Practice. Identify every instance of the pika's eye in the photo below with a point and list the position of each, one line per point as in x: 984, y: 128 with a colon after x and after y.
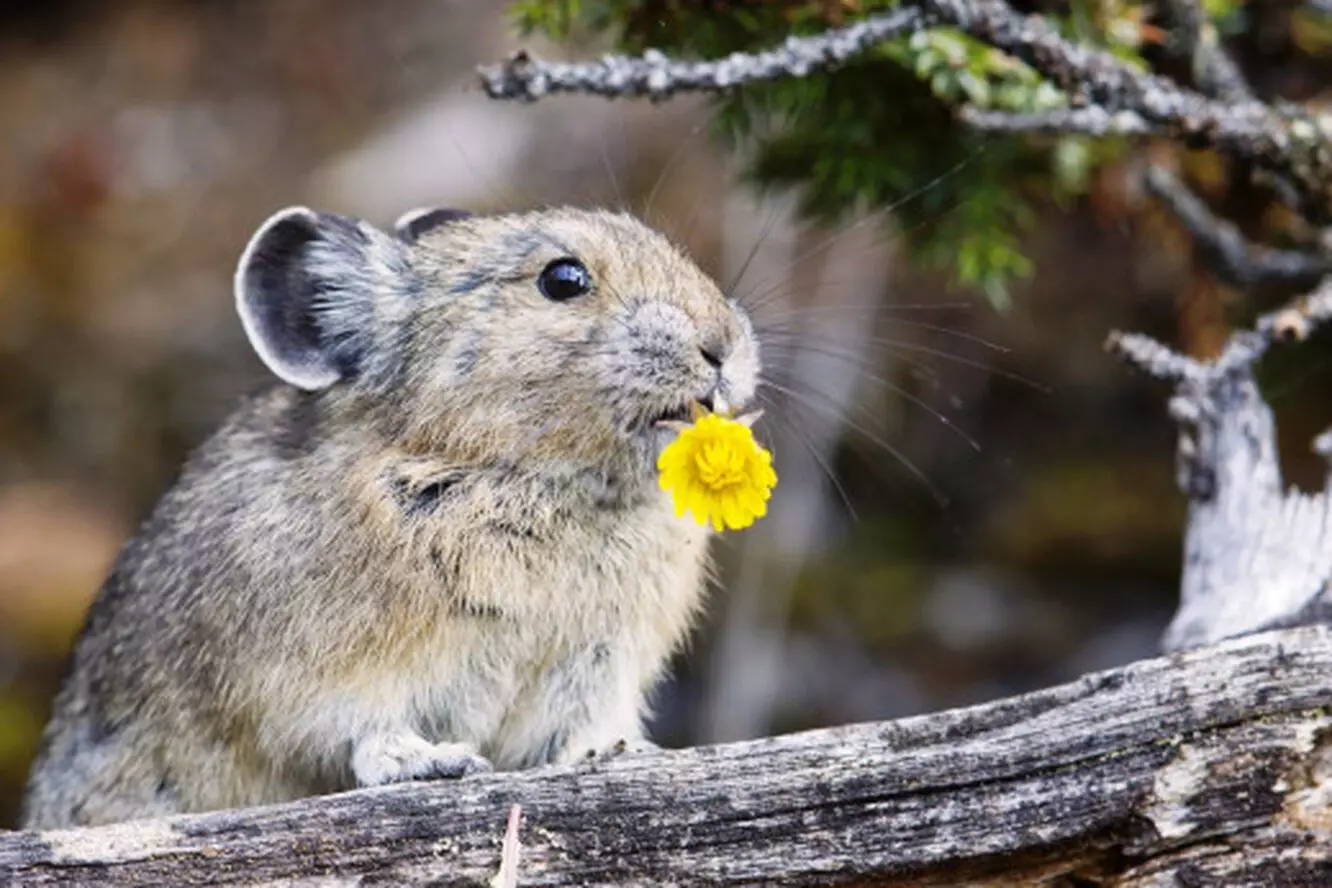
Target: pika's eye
x: 564, y: 279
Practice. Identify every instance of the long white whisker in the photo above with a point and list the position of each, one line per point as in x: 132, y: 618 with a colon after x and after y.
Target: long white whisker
x: 913, y: 324
x: 804, y: 438
x: 801, y: 340
x: 876, y: 215
x: 822, y: 406
x: 667, y: 169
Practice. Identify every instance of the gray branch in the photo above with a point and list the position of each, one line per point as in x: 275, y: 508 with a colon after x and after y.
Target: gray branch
x: 1289, y: 143
x: 1208, y: 768
x: 1233, y: 258
x: 1195, y: 38
x: 523, y: 76
x: 1256, y: 556
x: 1090, y: 121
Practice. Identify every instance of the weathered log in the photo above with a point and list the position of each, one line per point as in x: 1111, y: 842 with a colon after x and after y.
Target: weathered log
x: 1212, y: 767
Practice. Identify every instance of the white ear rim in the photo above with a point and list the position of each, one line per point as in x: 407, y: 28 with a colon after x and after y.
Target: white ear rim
x: 403, y: 223
x: 310, y: 381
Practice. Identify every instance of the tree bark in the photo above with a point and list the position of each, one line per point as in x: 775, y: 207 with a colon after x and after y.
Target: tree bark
x: 1212, y: 767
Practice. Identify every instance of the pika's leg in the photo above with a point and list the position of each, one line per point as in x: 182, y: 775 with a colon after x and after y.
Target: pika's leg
x: 395, y: 757
x: 612, y: 718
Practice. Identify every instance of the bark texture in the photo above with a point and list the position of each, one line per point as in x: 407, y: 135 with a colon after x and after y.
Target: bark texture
x: 1212, y: 767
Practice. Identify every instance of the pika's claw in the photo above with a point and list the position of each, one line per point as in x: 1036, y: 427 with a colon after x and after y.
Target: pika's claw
x: 620, y: 748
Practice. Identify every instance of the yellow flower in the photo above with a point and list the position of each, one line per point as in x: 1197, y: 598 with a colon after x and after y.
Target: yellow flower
x: 717, y: 471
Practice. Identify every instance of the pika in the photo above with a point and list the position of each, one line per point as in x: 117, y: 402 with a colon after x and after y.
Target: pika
x: 435, y: 547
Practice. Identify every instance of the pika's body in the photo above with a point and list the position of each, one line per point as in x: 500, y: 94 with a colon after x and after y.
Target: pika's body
x: 439, y: 546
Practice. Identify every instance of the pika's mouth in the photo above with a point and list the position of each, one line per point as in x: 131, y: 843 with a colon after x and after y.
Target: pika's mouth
x: 682, y: 413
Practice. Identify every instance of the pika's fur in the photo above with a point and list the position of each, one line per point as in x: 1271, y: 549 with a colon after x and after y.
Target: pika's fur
x: 438, y: 546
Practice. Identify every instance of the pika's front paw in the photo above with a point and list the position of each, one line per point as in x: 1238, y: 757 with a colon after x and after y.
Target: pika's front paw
x: 397, y: 759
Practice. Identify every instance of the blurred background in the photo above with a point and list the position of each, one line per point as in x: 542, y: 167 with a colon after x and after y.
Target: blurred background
x: 974, y: 502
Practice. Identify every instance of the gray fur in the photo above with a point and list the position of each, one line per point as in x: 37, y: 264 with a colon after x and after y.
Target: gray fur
x: 405, y: 563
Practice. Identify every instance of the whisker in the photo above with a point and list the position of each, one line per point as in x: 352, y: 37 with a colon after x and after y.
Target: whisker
x: 512, y: 192
x: 754, y: 250
x: 806, y: 439
x: 801, y: 340
x: 667, y: 168
x: 821, y: 406
x: 909, y: 396
x: 876, y: 215
x: 785, y: 352
x: 769, y: 295
x: 916, y: 325
x: 758, y: 297
x: 815, y: 310
x: 620, y: 203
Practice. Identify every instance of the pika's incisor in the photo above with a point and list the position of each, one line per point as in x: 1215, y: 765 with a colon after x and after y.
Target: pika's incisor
x: 437, y: 547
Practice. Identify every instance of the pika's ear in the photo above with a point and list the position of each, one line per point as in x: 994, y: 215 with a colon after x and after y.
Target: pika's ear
x: 414, y: 223
x: 306, y: 289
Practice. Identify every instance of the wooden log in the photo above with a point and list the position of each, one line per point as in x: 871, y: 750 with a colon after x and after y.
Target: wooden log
x: 1212, y: 767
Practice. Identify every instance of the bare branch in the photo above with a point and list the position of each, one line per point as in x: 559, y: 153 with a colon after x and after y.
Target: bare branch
x: 1244, y: 527
x: 1233, y: 258
x: 1289, y: 142
x: 1195, y: 38
x: 523, y: 76
x: 1156, y: 359
x: 1248, y: 130
x: 1300, y: 317
x: 1092, y: 120
x: 1292, y: 322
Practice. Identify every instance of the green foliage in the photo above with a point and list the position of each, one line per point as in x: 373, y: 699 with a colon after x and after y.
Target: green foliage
x: 880, y: 133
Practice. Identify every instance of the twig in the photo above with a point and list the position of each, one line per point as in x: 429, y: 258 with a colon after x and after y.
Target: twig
x: 1248, y: 130
x: 1292, y: 322
x: 1156, y: 359
x: 507, y: 877
x: 1092, y: 120
x: 1195, y: 38
x: 523, y: 76
x: 1231, y: 256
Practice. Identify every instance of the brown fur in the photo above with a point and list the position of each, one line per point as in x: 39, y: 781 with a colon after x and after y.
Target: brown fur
x: 446, y: 548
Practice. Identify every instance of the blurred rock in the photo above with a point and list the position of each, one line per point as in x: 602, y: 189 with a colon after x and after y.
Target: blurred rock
x: 55, y: 548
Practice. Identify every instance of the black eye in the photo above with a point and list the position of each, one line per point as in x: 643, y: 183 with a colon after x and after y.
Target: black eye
x: 564, y: 279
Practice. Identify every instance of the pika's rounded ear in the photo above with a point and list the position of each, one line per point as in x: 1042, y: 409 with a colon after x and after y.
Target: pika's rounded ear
x: 306, y: 290
x: 414, y: 223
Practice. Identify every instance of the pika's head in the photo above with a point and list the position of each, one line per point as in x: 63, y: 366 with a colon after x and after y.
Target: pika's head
x: 560, y: 335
